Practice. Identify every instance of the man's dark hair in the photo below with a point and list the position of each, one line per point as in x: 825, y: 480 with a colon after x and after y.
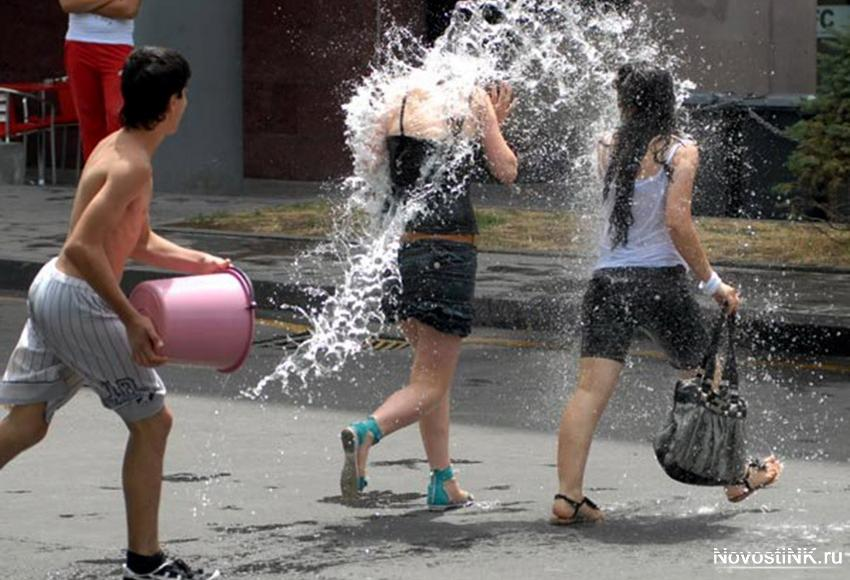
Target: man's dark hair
x: 151, y: 76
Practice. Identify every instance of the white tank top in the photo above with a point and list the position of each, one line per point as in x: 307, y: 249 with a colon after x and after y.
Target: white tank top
x: 650, y: 245
x: 85, y: 27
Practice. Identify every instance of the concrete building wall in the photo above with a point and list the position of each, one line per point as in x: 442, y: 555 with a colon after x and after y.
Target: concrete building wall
x: 206, y: 154
x: 31, y: 39
x: 275, y: 92
x: 301, y: 59
x: 747, y: 46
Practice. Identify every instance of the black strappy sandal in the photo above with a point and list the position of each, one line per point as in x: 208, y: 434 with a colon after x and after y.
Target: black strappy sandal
x: 749, y: 489
x: 576, y: 517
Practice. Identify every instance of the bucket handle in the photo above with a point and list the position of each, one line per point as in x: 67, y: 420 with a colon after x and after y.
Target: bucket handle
x: 245, y: 281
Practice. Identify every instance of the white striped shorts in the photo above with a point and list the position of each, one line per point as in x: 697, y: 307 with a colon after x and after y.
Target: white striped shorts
x: 72, y: 338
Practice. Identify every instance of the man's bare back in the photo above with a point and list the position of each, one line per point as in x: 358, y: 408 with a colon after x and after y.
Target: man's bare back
x: 114, y: 158
x: 110, y: 223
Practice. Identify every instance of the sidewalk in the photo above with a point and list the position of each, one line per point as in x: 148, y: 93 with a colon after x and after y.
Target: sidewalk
x: 798, y: 311
x: 252, y: 490
x: 252, y: 487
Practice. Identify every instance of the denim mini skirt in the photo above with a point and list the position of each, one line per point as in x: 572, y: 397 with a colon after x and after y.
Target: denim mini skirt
x: 436, y: 287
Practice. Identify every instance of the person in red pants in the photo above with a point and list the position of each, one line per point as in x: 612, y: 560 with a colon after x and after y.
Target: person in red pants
x: 99, y: 39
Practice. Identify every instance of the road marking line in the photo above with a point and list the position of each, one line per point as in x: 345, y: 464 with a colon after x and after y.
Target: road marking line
x: 398, y: 344
x: 292, y: 327
x: 388, y: 343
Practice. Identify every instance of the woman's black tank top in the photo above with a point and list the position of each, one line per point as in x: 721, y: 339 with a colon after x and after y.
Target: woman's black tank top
x: 416, y: 166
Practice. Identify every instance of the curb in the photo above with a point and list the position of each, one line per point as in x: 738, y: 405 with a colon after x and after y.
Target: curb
x: 305, y: 240
x: 794, y: 335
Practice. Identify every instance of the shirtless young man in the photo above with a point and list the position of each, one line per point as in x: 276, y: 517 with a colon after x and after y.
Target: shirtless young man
x: 82, y: 330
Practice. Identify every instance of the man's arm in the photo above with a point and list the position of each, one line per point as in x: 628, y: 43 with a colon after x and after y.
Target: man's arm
x: 119, y: 9
x: 86, y: 245
x: 156, y: 251
x: 77, y: 6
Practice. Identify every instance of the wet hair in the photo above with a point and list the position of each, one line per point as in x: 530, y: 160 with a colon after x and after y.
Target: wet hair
x: 647, y: 100
x: 150, y: 77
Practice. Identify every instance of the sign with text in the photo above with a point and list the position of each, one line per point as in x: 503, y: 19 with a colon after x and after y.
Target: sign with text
x: 833, y: 18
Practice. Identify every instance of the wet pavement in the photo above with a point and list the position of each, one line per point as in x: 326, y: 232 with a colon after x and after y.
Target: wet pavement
x: 252, y: 486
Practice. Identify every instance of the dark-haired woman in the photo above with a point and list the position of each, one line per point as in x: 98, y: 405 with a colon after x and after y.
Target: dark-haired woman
x: 640, y: 280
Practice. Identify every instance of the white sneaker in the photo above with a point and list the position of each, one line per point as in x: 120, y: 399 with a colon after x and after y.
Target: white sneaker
x: 173, y: 570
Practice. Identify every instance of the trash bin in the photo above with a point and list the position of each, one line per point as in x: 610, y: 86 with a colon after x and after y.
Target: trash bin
x: 743, y: 153
x: 12, y: 163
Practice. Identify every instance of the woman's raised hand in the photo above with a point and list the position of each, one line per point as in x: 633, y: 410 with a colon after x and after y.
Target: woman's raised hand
x: 502, y: 97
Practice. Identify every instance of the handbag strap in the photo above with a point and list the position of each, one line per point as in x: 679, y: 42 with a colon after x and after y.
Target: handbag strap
x: 709, y: 360
x: 730, y: 371
x: 730, y: 367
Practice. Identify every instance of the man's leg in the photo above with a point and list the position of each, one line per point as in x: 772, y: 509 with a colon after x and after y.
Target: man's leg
x: 112, y: 58
x: 597, y: 379
x: 142, y: 476
x: 20, y: 429
x: 88, y: 93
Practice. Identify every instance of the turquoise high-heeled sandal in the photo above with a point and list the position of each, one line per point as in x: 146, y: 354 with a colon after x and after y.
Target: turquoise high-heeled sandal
x: 438, y: 498
x: 352, y: 482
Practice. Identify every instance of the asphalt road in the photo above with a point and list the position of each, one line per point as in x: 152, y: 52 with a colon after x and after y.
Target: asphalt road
x: 251, y: 486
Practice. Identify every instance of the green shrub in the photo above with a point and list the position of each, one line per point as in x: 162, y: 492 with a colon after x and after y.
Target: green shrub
x: 821, y: 161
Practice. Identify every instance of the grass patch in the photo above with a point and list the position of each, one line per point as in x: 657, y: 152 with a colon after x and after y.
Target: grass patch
x: 775, y: 242
x: 506, y: 229
x: 309, y: 219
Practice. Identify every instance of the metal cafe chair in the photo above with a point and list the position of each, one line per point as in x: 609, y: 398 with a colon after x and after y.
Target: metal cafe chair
x: 24, y: 113
x: 66, y: 118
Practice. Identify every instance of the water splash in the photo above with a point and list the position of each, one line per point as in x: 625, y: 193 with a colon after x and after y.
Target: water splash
x: 559, y: 57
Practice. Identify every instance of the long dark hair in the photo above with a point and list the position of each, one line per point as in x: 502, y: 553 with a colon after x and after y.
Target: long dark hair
x: 647, y: 102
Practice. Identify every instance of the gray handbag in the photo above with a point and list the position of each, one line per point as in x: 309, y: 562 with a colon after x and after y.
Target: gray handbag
x: 703, y: 441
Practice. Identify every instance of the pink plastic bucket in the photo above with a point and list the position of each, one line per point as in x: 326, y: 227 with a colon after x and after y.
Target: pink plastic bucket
x: 207, y: 320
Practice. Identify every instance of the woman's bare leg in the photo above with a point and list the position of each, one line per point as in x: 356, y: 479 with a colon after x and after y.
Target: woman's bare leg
x: 434, y: 429
x: 596, y: 382
x: 434, y: 363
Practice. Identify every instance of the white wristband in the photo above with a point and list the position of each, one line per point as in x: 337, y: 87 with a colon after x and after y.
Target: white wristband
x: 712, y: 285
